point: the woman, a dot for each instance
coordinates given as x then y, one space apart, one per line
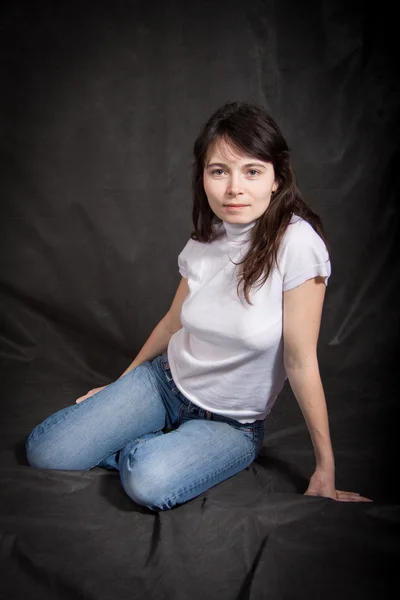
190 410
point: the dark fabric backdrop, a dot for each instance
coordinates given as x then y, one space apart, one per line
100 106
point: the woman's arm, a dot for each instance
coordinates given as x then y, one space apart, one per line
302 310
159 338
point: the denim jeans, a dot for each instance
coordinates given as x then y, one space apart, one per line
122 427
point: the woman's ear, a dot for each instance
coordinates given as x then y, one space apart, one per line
275 186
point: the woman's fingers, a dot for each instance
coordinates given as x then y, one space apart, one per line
90 393
81 398
343 496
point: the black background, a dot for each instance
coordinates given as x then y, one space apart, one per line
100 106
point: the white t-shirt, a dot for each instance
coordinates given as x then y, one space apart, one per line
228 356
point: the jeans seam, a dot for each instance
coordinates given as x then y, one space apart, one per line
174 388
180 414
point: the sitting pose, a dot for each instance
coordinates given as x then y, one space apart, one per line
190 410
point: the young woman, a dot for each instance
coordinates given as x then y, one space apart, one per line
190 410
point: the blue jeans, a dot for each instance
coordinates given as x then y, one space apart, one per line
121 427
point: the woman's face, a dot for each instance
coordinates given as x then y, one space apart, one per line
232 178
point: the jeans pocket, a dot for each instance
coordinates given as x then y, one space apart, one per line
254 432
168 374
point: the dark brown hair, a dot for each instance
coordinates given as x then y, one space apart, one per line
250 129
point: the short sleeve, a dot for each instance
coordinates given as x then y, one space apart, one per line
303 255
183 259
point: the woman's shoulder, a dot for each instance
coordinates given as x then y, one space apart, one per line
300 239
297 223
298 230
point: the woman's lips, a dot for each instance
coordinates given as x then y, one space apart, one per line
235 207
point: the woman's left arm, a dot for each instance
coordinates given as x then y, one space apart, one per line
302 311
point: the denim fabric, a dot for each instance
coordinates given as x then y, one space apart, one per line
166 449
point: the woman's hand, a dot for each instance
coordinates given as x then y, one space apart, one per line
90 393
323 485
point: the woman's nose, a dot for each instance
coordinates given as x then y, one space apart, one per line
233 185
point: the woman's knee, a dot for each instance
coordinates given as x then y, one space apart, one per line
47 445
52 452
37 455
144 477
146 491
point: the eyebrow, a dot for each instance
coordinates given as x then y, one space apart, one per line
224 165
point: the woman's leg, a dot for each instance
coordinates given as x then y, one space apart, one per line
82 435
160 472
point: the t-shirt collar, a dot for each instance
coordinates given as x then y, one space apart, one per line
238 233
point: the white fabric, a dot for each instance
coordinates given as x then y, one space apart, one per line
227 357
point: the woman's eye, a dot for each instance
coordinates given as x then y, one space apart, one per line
252 172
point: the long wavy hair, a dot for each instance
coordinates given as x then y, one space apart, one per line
249 129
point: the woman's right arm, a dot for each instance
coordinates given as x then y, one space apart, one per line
159 338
